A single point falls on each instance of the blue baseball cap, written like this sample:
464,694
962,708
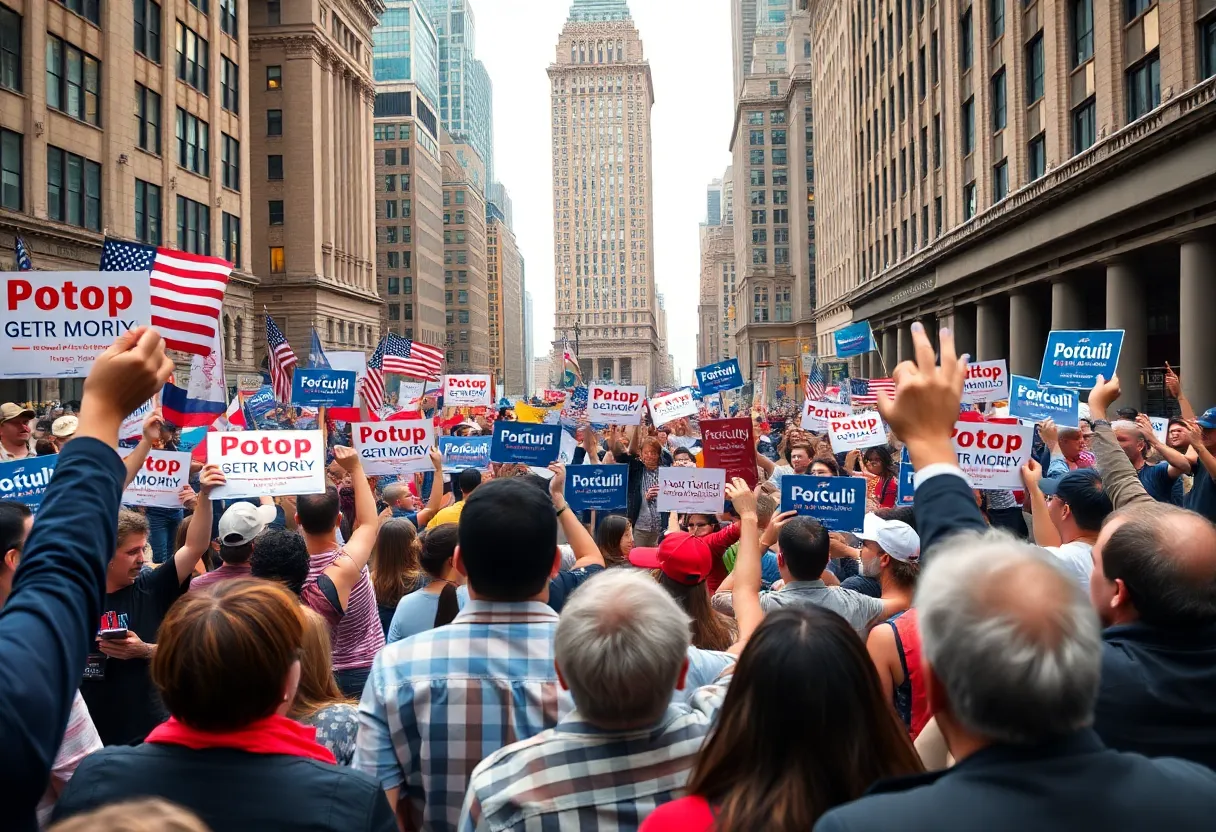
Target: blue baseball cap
1208,419
1083,492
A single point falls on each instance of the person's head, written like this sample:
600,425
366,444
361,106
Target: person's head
825,466
1011,646
398,495
240,524
823,449
662,434
15,426
468,480
1207,424
1071,443
1176,435
318,687
701,525
766,507
1077,503
1155,563
395,560
280,556
1131,440
802,549
129,553
652,452
621,649
890,548
42,428
615,539
755,767
683,458
508,541
800,456
1086,430
879,462
16,520
438,550
229,655
319,514
63,429
150,814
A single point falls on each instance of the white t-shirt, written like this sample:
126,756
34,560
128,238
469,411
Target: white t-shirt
1077,560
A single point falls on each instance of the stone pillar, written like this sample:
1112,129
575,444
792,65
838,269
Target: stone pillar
616,370
962,324
1026,336
990,337
890,351
905,350
1067,310
1197,336
1125,310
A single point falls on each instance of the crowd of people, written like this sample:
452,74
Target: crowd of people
463,651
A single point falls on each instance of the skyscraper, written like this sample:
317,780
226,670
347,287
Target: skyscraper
713,203
504,274
529,369
466,292
603,227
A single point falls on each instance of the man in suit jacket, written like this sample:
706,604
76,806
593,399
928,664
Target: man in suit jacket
1012,656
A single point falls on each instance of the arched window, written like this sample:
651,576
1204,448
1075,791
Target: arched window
239,339
329,330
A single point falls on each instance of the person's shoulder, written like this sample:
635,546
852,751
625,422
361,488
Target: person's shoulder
1197,780
515,758
899,802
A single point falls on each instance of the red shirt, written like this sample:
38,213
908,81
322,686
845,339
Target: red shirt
688,814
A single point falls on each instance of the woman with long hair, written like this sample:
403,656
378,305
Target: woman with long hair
787,747
881,471
438,602
395,570
319,701
615,539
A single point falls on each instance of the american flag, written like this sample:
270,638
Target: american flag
24,263
813,386
187,290
864,391
281,359
395,354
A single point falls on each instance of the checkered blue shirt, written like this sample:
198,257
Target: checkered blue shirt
440,702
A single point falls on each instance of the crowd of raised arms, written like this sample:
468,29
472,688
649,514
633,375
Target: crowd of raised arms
464,651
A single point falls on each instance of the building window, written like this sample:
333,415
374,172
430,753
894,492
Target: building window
1036,156
755,137
1207,47
10,49
1143,87
274,168
193,143
276,211
231,158
759,217
193,55
759,256
232,239
968,126
1034,68
998,101
1082,31
11,184
148,103
966,46
937,141
147,212
781,256
274,122
147,29
778,137
393,259
920,74
390,209
996,18
230,86
406,208
201,5
278,264
193,226
90,10
394,285
1135,8
1000,181
73,189
228,19
934,58
272,12
1084,126
73,81
274,77
462,295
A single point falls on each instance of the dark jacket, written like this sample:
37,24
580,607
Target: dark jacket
635,494
1070,784
232,790
50,620
944,505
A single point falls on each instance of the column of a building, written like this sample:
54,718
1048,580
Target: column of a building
1197,336
890,349
328,183
1067,310
1026,335
962,324
368,249
342,165
989,331
905,352
1125,311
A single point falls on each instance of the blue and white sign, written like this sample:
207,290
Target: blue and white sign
906,473
839,503
600,487
323,388
461,452
1076,357
1033,402
854,339
258,405
717,378
525,443
25,480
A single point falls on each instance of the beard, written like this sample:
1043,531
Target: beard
871,568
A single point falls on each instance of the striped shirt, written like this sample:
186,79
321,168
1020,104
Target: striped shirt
79,741
358,635
437,703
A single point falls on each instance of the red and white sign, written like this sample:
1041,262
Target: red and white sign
815,414
163,475
692,489
274,463
672,406
394,447
56,323
615,404
856,432
467,391
730,445
992,455
133,426
987,381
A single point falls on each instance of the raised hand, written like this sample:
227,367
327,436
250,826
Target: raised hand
154,423
1146,428
768,538
210,478
741,496
125,376
347,458
557,485
1173,384
1032,474
1049,433
1103,393
436,458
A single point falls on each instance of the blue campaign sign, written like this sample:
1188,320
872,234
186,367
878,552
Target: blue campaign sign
25,480
258,405
323,388
529,444
906,472
854,339
461,452
1033,402
1076,357
839,503
717,378
602,487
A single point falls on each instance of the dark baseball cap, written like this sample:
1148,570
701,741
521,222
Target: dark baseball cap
1082,491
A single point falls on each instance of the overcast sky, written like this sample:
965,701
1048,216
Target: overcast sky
687,43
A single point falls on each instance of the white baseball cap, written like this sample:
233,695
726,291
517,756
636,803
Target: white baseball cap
242,522
896,538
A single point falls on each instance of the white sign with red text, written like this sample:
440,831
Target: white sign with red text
133,426
397,447
56,323
987,381
467,391
271,463
615,404
162,476
992,455
856,432
672,406
692,489
815,414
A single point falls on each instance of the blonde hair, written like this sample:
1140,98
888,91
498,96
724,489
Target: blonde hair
317,689
144,815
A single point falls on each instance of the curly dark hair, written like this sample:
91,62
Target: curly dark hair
282,556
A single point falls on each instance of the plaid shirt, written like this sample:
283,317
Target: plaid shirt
578,776
440,702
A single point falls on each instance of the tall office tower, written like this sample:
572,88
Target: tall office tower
603,228
666,374
715,340
504,275
466,289
713,203
529,358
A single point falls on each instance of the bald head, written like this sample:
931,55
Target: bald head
395,492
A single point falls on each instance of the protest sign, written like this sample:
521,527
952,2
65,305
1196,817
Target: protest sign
554,396
854,339
856,432
728,444
815,414
992,455
397,447
323,388
467,391
987,381
162,476
599,487
248,383
683,441
1075,358
615,404
259,405
565,455
535,445
692,489
1032,402
56,323
672,406
461,452
1161,427
270,463
719,377
906,486
133,426
25,480
838,503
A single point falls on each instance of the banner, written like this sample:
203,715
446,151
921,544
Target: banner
992,455
1031,402
133,426
720,377
598,487
270,463
854,339
987,381
672,406
906,473
701,490
158,482
409,394
461,452
467,391
535,445
857,432
1075,357
56,323
25,480
728,444
615,404
397,447
815,415
259,405
554,396
838,503
323,388
1161,427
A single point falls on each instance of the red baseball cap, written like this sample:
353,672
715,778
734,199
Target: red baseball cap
682,557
